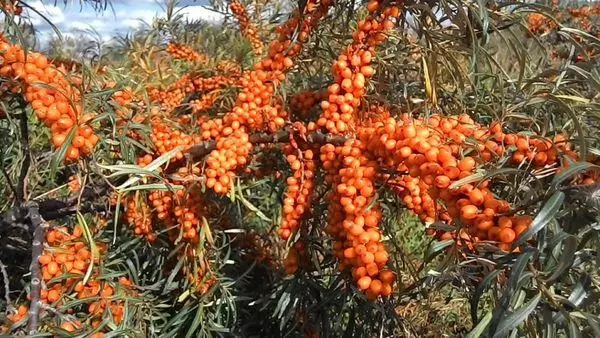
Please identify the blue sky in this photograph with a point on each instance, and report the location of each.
(125, 15)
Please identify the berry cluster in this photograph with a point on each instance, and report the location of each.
(299, 188)
(52, 96)
(246, 26)
(303, 102)
(435, 153)
(353, 220)
(183, 52)
(205, 102)
(64, 263)
(255, 106)
(138, 216)
(353, 69)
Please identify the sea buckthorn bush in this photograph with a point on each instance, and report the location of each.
(390, 168)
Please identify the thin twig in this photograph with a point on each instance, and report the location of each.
(10, 183)
(6, 284)
(39, 226)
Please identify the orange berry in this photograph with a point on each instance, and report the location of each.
(507, 235)
(364, 282)
(469, 211)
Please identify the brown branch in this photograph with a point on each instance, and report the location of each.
(199, 151)
(26, 159)
(39, 225)
(6, 284)
(9, 182)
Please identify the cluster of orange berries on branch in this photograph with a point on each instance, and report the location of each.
(256, 108)
(231, 152)
(353, 68)
(302, 102)
(139, 216)
(539, 23)
(202, 281)
(231, 67)
(74, 184)
(296, 257)
(63, 264)
(246, 26)
(123, 97)
(189, 217)
(183, 52)
(173, 96)
(165, 138)
(299, 189)
(205, 102)
(578, 17)
(354, 217)
(434, 153)
(254, 248)
(54, 99)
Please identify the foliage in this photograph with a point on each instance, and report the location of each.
(199, 179)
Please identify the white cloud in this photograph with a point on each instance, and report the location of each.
(200, 13)
(53, 13)
(124, 16)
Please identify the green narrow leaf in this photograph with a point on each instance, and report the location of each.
(480, 290)
(574, 331)
(197, 319)
(164, 158)
(250, 206)
(543, 217)
(481, 326)
(572, 170)
(567, 256)
(59, 156)
(436, 247)
(153, 186)
(87, 233)
(594, 322)
(515, 318)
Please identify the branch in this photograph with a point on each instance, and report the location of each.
(10, 183)
(6, 284)
(39, 225)
(199, 151)
(26, 159)
(70, 210)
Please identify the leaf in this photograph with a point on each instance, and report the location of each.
(580, 290)
(436, 247)
(574, 331)
(197, 318)
(59, 156)
(250, 206)
(481, 175)
(572, 170)
(594, 323)
(515, 318)
(481, 326)
(480, 290)
(567, 256)
(93, 249)
(573, 98)
(164, 158)
(153, 186)
(543, 217)
(476, 177)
